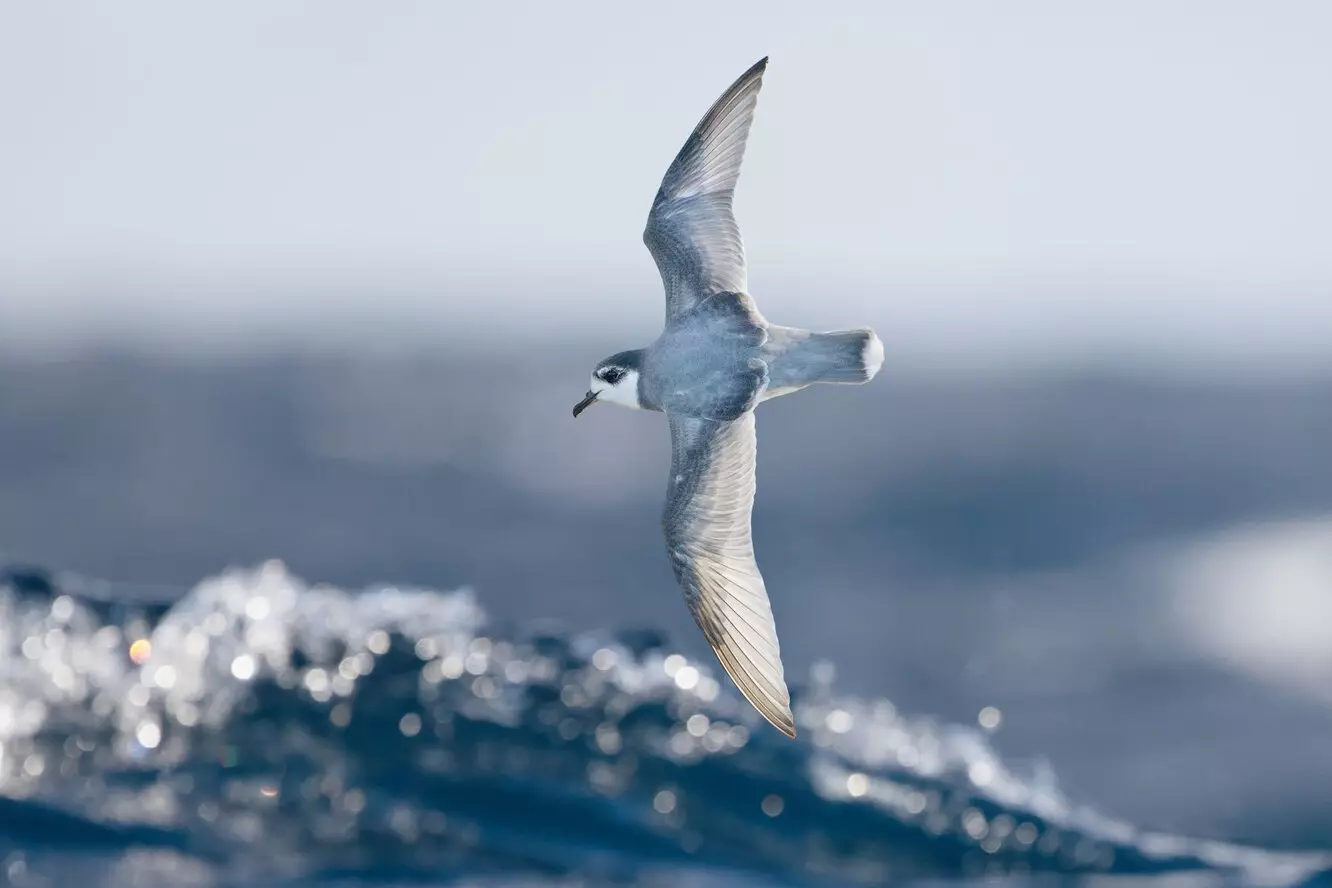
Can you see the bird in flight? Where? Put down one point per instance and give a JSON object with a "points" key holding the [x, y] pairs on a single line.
{"points": [[716, 359]]}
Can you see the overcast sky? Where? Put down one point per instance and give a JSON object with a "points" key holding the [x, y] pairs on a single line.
{"points": [[979, 181]]}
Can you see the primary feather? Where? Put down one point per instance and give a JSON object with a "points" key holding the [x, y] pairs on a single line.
{"points": [[707, 525], [691, 229]]}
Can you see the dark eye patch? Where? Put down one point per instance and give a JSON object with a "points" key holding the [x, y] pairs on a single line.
{"points": [[612, 375]]}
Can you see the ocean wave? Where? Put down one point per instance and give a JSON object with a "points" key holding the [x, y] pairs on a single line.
{"points": [[261, 730]]}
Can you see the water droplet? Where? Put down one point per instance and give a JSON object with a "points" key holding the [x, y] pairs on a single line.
{"points": [[989, 718], [378, 642], [608, 739], [823, 672], [165, 677], [257, 607], [148, 735], [140, 650], [686, 678], [62, 608], [451, 666], [975, 824], [316, 680], [243, 667], [515, 671], [839, 721]]}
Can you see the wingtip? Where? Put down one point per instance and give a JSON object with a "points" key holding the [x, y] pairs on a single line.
{"points": [[781, 719], [776, 712]]}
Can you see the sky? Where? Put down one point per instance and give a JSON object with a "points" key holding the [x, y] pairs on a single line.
{"points": [[983, 183]]}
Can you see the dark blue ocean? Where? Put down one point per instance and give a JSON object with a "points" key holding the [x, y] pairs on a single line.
{"points": [[260, 731], [284, 624]]}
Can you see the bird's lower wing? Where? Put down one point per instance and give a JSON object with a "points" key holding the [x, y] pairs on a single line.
{"points": [[708, 505]]}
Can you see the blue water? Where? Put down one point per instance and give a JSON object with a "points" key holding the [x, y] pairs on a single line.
{"points": [[258, 731]]}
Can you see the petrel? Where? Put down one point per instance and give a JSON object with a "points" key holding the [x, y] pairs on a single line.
{"points": [[716, 360]]}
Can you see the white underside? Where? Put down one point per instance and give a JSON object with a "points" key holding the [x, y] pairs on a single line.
{"points": [[872, 356], [771, 393]]}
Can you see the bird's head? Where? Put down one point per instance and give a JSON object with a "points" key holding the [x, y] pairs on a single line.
{"points": [[615, 380]]}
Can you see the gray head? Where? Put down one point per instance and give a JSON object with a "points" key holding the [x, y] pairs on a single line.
{"points": [[615, 380]]}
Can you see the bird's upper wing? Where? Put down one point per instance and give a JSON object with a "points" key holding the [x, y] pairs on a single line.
{"points": [[708, 504], [691, 230]]}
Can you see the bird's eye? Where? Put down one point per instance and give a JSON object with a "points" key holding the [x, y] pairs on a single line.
{"points": [[612, 375]]}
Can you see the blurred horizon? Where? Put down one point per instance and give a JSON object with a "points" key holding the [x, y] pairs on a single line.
{"points": [[1023, 187], [1139, 558]]}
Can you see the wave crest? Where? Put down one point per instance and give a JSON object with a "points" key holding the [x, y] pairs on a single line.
{"points": [[262, 727]]}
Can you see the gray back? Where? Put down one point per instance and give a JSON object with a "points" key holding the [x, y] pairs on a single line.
{"points": [[707, 363]]}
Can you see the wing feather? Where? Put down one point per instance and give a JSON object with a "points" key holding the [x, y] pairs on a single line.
{"points": [[691, 230], [707, 526]]}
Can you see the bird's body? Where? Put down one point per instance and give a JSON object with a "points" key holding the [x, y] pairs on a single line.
{"points": [[716, 359]]}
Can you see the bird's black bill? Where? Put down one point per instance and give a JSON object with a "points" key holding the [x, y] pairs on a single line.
{"points": [[585, 403]]}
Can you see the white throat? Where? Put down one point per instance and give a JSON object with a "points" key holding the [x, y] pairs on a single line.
{"points": [[624, 392]]}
